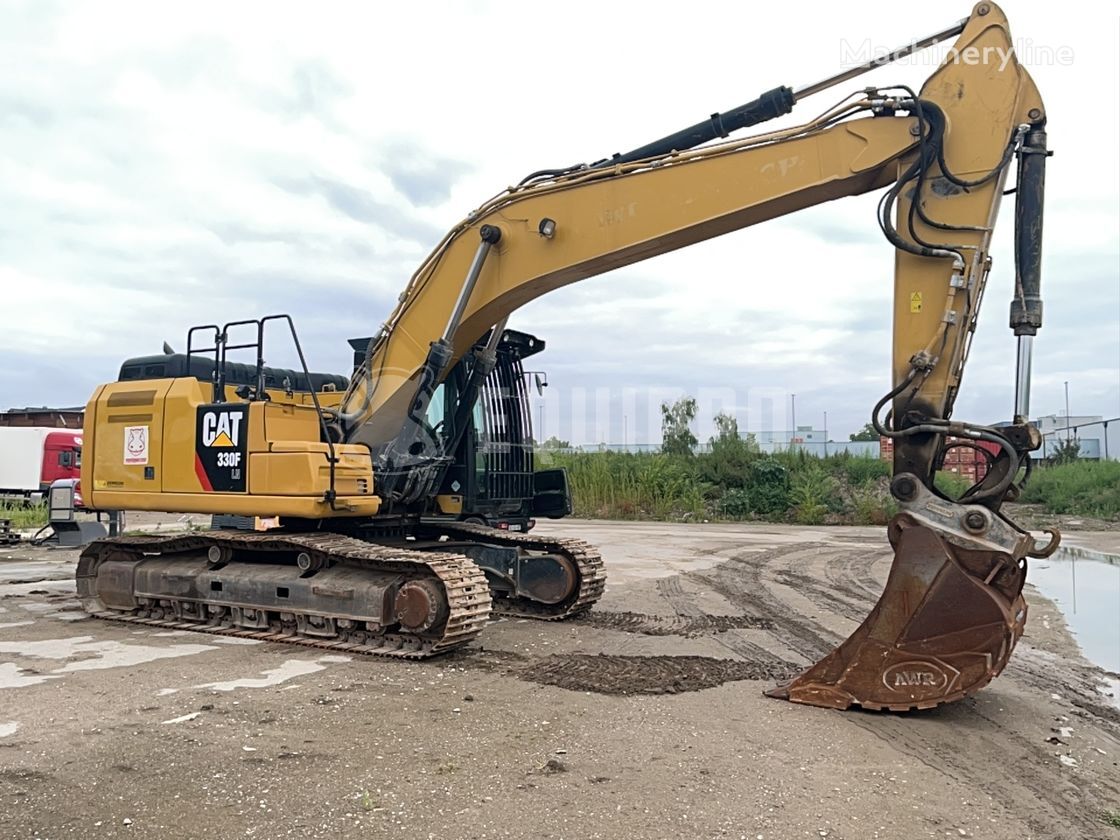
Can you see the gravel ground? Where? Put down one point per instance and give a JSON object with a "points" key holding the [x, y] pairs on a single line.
{"points": [[644, 719]]}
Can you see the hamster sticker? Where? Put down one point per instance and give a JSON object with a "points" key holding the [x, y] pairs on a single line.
{"points": [[136, 445]]}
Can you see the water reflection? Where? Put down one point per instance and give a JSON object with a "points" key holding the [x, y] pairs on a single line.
{"points": [[1086, 585]]}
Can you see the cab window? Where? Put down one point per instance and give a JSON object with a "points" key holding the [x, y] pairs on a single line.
{"points": [[437, 408]]}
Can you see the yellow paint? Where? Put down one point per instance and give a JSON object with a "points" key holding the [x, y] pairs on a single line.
{"points": [[449, 504], [287, 477]]}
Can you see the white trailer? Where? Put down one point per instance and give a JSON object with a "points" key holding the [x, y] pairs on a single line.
{"points": [[32, 457]]}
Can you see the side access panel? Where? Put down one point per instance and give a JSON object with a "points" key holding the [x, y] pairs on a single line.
{"points": [[552, 498]]}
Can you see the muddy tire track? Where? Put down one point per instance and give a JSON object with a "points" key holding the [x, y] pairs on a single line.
{"points": [[783, 669], [1026, 669], [670, 589], [689, 626], [629, 675], [856, 571], [826, 588], [993, 759], [742, 580]]}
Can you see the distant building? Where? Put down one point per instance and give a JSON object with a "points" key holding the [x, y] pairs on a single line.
{"points": [[43, 417], [802, 434], [1099, 438]]}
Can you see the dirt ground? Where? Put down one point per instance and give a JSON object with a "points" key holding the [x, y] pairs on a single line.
{"points": [[644, 719]]}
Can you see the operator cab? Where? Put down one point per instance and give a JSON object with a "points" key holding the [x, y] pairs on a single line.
{"points": [[493, 480]]}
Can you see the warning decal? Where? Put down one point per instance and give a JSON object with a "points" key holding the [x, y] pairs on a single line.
{"points": [[136, 444], [220, 450], [915, 303]]}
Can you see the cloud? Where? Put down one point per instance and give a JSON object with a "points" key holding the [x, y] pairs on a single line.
{"points": [[424, 178], [204, 164], [361, 206]]}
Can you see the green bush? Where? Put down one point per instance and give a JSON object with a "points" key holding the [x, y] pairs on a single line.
{"points": [[667, 487], [811, 490], [768, 481], [1081, 488], [735, 503], [727, 465], [859, 470], [872, 504]]}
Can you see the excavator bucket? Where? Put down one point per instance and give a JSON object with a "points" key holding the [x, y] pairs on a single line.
{"points": [[943, 628]]}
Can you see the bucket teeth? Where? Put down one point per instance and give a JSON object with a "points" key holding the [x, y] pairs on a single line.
{"points": [[943, 628]]}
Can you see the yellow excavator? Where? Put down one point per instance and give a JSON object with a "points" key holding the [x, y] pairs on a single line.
{"points": [[350, 472]]}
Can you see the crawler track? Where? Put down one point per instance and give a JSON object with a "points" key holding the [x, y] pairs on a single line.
{"points": [[466, 596], [584, 556]]}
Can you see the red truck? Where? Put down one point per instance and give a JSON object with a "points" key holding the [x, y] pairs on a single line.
{"points": [[31, 458]]}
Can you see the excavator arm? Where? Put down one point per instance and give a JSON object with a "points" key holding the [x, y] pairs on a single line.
{"points": [[952, 609]]}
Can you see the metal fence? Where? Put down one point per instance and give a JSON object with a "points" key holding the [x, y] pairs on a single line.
{"points": [[857, 448], [1098, 448]]}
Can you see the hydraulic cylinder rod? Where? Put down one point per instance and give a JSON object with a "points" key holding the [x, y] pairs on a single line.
{"points": [[880, 60], [490, 236], [1026, 306], [773, 103]]}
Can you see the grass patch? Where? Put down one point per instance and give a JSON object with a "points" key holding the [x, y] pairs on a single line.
{"points": [[1111, 818], [24, 516], [951, 484], [734, 481], [737, 483], [1081, 488], [728, 483]]}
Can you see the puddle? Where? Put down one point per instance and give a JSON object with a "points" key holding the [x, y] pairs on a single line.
{"points": [[68, 616], [11, 590], [274, 676], [42, 608], [15, 570], [12, 676], [1086, 586], [98, 655]]}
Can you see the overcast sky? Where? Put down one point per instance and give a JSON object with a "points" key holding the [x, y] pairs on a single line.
{"points": [[165, 165]]}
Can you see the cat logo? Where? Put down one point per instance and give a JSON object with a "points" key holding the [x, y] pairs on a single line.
{"points": [[221, 453], [222, 428]]}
